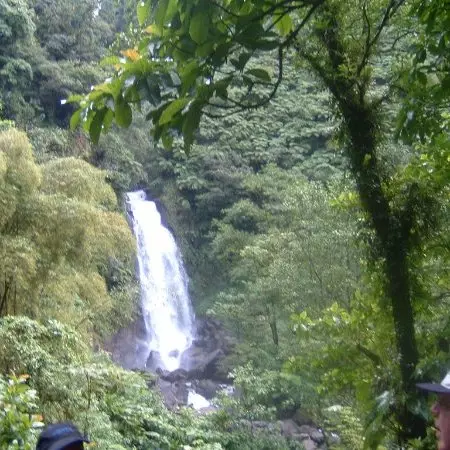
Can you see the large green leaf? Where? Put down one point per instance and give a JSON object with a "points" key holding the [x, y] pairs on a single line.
{"points": [[96, 125], [263, 44], [172, 8], [284, 24], [198, 28], [259, 73], [189, 74], [172, 109], [75, 119], [123, 113], [143, 11], [191, 124], [250, 33], [241, 61], [161, 11]]}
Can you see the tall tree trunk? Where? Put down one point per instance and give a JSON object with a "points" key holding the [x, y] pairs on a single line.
{"points": [[274, 329], [392, 231], [273, 323], [360, 116]]}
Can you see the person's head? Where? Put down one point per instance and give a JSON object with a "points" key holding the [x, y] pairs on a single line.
{"points": [[61, 436], [441, 410]]}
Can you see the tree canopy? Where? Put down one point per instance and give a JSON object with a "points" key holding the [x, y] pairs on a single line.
{"points": [[59, 232]]}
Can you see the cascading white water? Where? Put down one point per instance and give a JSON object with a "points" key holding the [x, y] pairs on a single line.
{"points": [[166, 307]]}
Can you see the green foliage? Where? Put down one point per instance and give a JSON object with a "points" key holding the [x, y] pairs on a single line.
{"points": [[426, 79], [16, 74], [59, 233], [283, 251], [113, 406], [198, 70], [47, 49], [342, 421], [70, 30], [18, 422], [287, 251], [268, 394], [349, 352]]}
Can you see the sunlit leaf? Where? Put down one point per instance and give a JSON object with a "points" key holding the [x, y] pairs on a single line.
{"points": [[143, 11], [96, 125], [75, 119], [131, 53]]}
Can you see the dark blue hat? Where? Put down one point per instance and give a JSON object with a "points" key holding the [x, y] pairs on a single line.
{"points": [[58, 436], [442, 388]]}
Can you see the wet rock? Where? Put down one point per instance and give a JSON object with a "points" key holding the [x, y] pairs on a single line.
{"points": [[310, 437], [208, 410], [206, 365], [309, 444], [207, 388], [162, 373], [176, 375], [318, 437], [174, 395], [153, 362], [128, 347], [290, 429], [204, 359]]}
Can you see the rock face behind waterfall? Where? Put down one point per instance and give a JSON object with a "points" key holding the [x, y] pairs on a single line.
{"points": [[204, 358]]}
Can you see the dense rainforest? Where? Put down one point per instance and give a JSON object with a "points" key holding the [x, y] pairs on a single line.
{"points": [[300, 152]]}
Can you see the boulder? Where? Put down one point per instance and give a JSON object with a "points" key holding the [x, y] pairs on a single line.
{"points": [[174, 376], [309, 444], [128, 347], [174, 395], [204, 359], [154, 362], [310, 437], [206, 365], [207, 388]]}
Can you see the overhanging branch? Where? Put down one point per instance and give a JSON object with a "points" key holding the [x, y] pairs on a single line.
{"points": [[283, 45], [391, 9]]}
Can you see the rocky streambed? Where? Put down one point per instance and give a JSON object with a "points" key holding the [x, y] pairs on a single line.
{"points": [[202, 376]]}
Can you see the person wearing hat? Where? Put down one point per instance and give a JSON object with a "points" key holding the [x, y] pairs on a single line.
{"points": [[61, 436], [440, 410]]}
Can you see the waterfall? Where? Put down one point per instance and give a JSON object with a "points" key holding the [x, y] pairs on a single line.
{"points": [[166, 307]]}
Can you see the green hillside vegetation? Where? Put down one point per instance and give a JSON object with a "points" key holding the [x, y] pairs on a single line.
{"points": [[300, 153]]}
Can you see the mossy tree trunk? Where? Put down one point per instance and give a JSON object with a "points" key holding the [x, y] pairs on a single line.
{"points": [[392, 227]]}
